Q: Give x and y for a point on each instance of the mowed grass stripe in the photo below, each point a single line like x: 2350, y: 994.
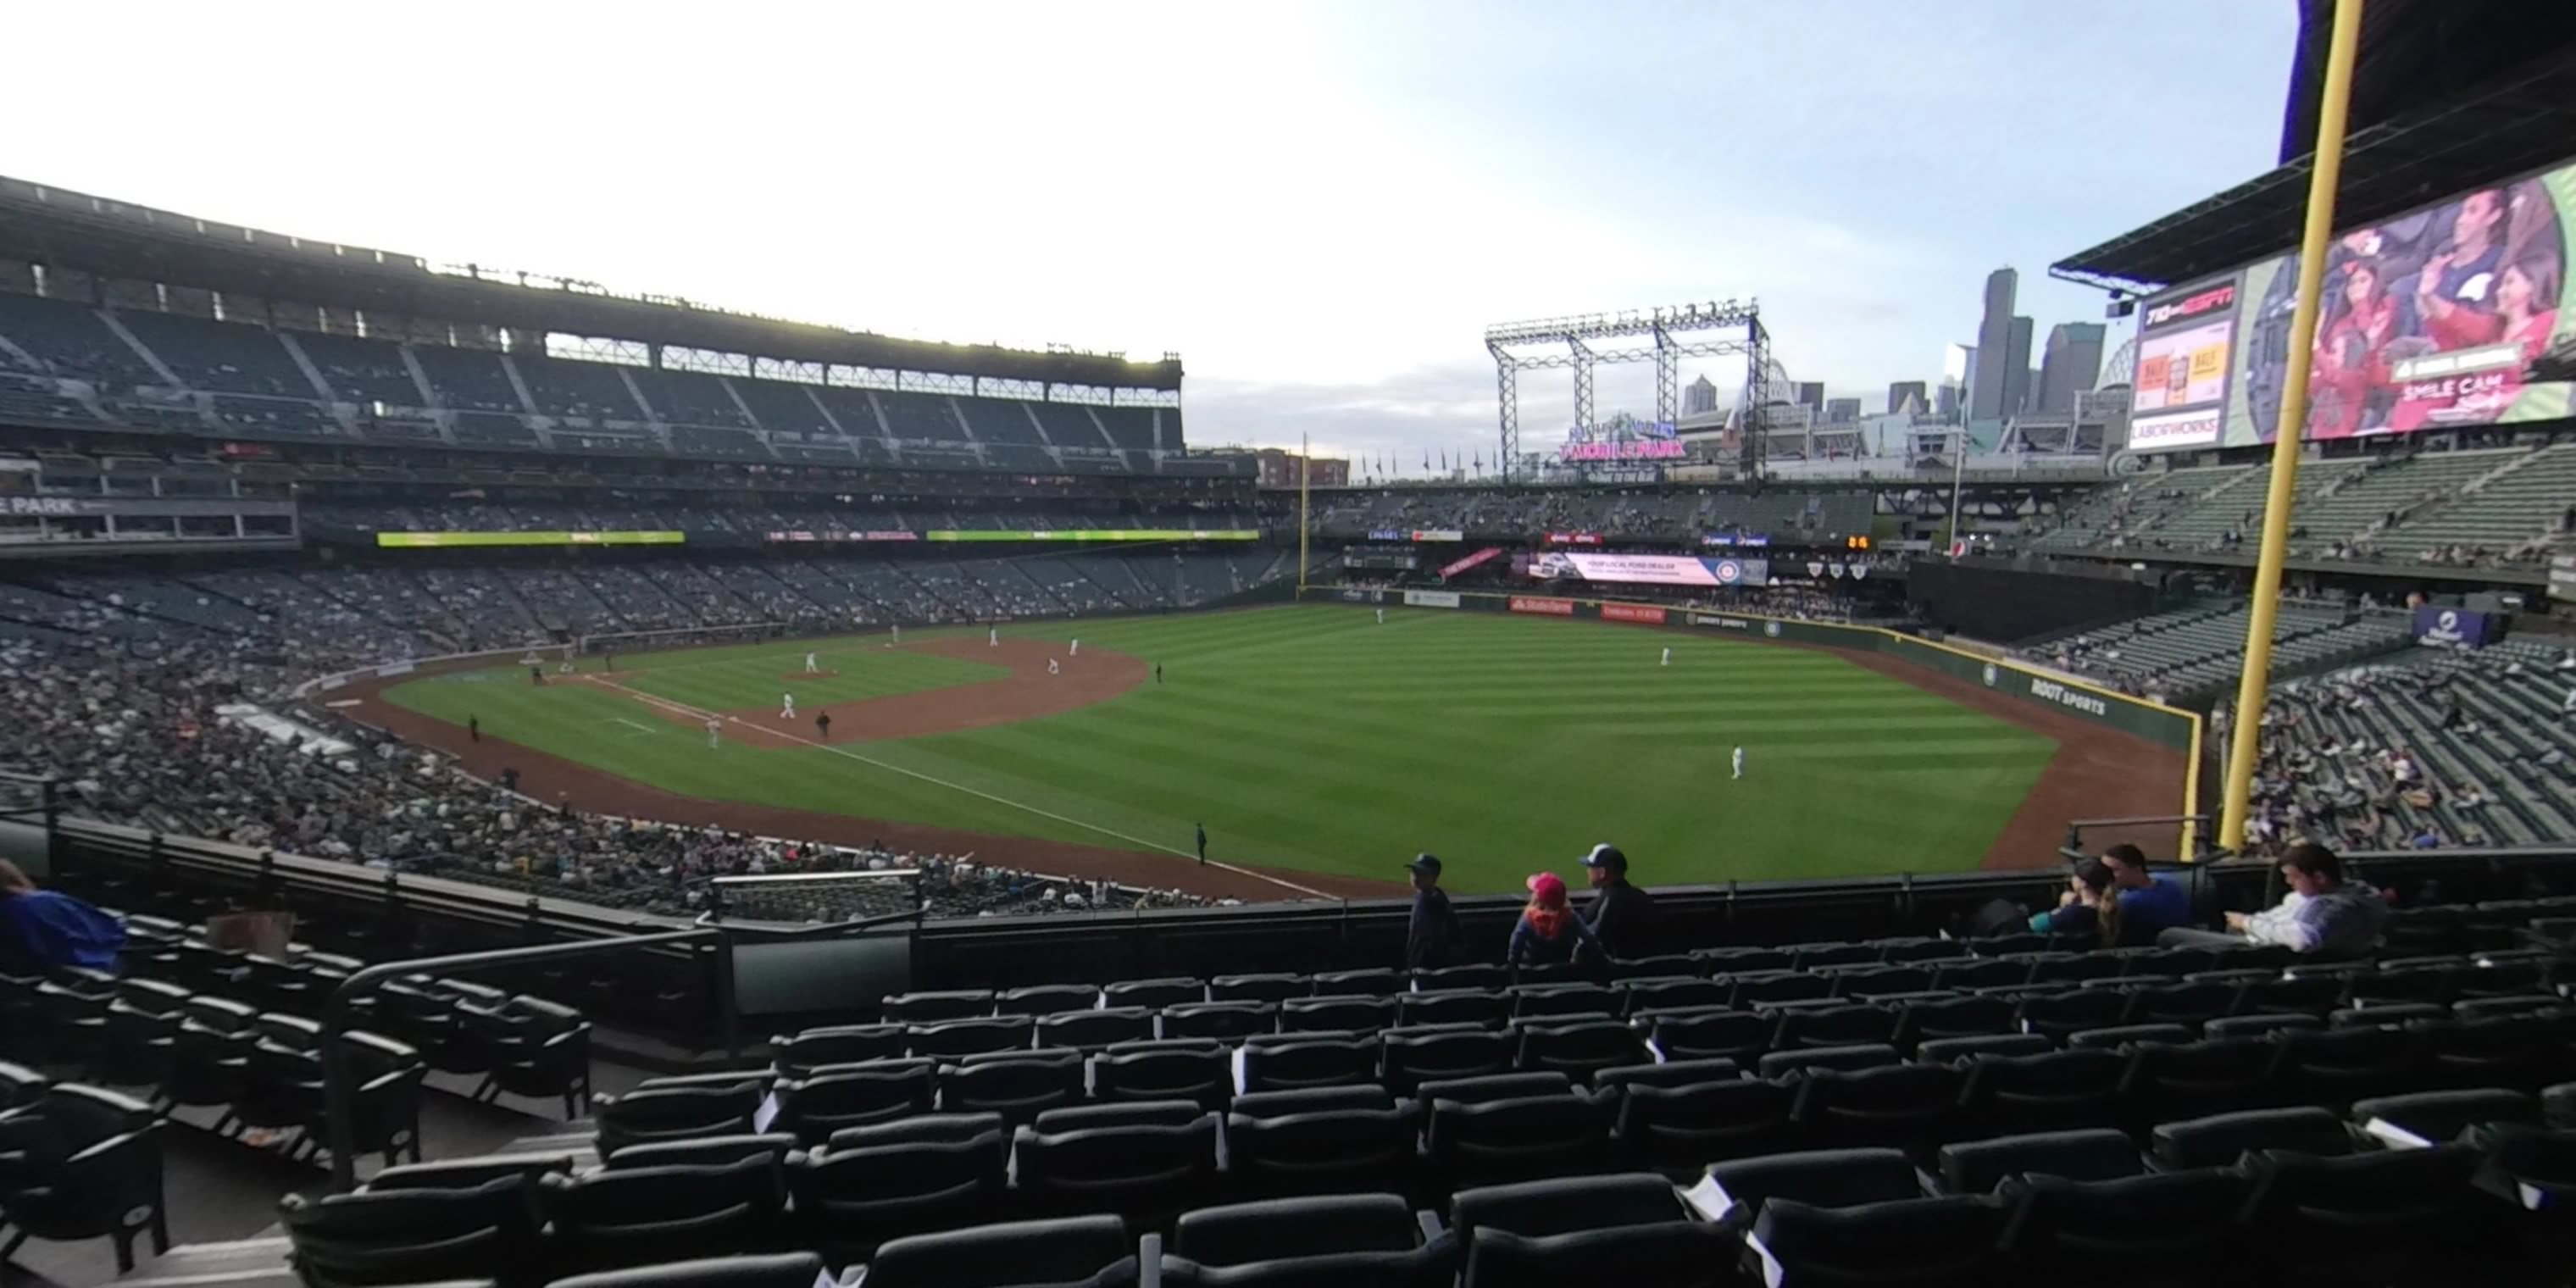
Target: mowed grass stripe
x: 1314, y: 738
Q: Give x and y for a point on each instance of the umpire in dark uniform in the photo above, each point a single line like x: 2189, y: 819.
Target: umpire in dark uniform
x: 1622, y: 916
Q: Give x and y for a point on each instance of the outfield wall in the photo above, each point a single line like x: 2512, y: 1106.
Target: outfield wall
x: 2165, y: 725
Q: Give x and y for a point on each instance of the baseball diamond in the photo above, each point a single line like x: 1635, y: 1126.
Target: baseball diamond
x: 1308, y: 739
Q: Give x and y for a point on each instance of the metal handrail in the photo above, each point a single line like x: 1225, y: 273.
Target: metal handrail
x: 340, y: 1118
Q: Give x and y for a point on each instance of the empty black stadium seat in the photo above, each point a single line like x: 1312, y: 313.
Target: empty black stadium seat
x: 1958, y: 1017
x: 2400, y: 1215
x: 2221, y: 1139
x: 954, y: 1038
x: 1954, y: 1050
x: 1221, y: 1020
x: 1308, y: 1100
x: 1046, y: 999
x: 1666, y: 993
x: 2046, y: 1091
x: 410, y: 1236
x: 1741, y: 1036
x: 1823, y: 1177
x: 2440, y: 1116
x: 843, y: 1096
x: 637, y: 1216
x: 1927, y: 1242
x: 1674, y: 1073
x: 2152, y: 1228
x: 2197, y: 1079
x: 83, y: 1163
x: 1685, y: 1127
x: 1816, y: 956
x: 1833, y: 1026
x: 1144, y: 1172
x: 1575, y: 1001
x: 476, y: 1170
x: 2338, y: 1066
x: 848, y: 1044
x: 1491, y: 979
x: 1341, y: 1239
x: 1289, y: 1061
x: 1132, y: 1113
x: 1411, y: 1059
x: 1738, y: 961
x: 2084, y: 1154
x: 931, y: 1008
x: 1860, y: 983
x: 1071, y: 1251
x: 1345, y: 1014
x: 1747, y: 991
x: 1578, y: 1048
x: 2259, y: 1025
x: 1911, y: 1105
x: 1017, y: 1089
x: 1204, y: 1077
x: 1499, y: 1141
x: 1500, y: 1086
x: 2122, y: 1037
x: 1096, y: 1029
x: 1155, y: 994
x: 1629, y: 1230
x: 1479, y: 1007
x: 675, y: 1113
x: 1259, y: 988
x: 871, y: 1184
x: 1322, y: 1150
x: 1867, y: 1056
x: 2059, y: 1015
x: 704, y: 1151
x: 1373, y: 982
x: 771, y: 1270
x: 1980, y: 972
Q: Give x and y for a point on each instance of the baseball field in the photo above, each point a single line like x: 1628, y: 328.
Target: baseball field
x: 1306, y: 740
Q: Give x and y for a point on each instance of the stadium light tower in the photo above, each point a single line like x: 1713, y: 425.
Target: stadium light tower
x: 1671, y: 334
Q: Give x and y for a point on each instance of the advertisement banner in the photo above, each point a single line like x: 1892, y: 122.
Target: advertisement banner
x: 1438, y: 534
x: 1632, y: 613
x: 2452, y: 627
x: 422, y: 540
x: 1431, y: 599
x: 1355, y: 596
x: 1385, y: 534
x: 1721, y: 623
x: 1659, y: 570
x: 1452, y: 570
x: 1401, y: 559
x: 1543, y: 607
x: 843, y: 536
x: 1574, y: 538
x: 2427, y: 321
x: 1731, y: 539
x: 1098, y: 534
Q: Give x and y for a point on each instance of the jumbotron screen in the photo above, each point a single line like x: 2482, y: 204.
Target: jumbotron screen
x: 1656, y: 570
x: 2426, y: 321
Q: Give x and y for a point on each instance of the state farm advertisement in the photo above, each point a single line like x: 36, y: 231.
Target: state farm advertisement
x: 1657, y: 570
x: 1543, y: 607
x: 1632, y: 613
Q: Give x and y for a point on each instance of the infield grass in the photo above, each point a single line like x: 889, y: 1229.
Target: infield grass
x: 1313, y: 738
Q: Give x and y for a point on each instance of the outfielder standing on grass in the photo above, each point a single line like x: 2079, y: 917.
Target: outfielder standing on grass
x: 810, y: 667
x: 715, y: 733
x: 1739, y: 762
x: 1202, y: 844
x: 1668, y: 657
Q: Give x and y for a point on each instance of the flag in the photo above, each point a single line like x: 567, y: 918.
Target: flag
x: 1426, y: 458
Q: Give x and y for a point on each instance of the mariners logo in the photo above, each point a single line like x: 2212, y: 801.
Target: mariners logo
x: 1771, y: 629
x: 1990, y: 675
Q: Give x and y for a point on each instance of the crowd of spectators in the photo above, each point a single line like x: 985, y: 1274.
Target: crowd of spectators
x: 169, y: 704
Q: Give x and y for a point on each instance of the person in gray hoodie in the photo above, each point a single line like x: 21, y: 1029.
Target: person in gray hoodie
x: 2325, y: 912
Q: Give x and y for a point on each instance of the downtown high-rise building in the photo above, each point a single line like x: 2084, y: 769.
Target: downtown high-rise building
x: 2017, y: 373
x: 1908, y: 396
x: 2070, y: 365
x: 1810, y: 395
x: 1699, y: 397
x: 1988, y: 384
x: 1842, y: 411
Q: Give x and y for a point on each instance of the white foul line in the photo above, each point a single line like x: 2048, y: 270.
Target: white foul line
x: 701, y: 713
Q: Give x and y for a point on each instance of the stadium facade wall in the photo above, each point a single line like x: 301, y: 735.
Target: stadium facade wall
x: 2007, y: 603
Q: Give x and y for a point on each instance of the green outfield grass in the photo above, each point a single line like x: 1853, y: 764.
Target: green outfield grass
x: 1314, y: 738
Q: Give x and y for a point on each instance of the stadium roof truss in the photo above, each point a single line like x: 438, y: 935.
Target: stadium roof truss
x: 1671, y: 334
x: 2520, y: 120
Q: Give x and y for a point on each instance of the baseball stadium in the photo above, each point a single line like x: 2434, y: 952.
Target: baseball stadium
x: 517, y: 783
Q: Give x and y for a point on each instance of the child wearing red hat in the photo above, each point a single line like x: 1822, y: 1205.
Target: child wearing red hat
x: 1548, y: 932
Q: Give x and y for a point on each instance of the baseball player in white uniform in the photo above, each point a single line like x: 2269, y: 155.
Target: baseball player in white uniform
x: 1051, y: 666
x: 898, y: 637
x: 1381, y: 617
x: 993, y: 637
x: 810, y: 665
x: 1668, y: 657
x: 715, y: 733
x: 1075, y: 650
x: 1739, y: 762
x: 787, y: 706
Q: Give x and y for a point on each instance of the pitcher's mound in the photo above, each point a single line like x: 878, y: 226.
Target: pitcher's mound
x: 801, y: 674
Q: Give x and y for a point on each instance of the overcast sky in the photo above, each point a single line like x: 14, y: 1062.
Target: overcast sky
x: 1320, y: 207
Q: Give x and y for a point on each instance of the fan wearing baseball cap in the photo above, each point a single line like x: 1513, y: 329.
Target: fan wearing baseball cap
x: 1433, y: 932
x: 1549, y: 932
x: 1622, y: 916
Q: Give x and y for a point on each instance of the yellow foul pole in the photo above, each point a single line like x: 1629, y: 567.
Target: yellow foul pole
x: 1305, y: 470
x: 2246, y: 736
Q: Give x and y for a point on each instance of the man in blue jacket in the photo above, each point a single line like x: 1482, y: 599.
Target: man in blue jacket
x: 2151, y: 903
x: 42, y: 931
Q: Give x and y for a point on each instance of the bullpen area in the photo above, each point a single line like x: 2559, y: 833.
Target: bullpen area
x: 1318, y: 746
